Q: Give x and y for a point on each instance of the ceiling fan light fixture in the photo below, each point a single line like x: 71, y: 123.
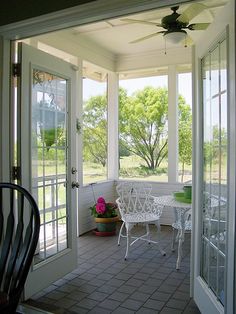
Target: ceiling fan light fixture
x: 175, y: 37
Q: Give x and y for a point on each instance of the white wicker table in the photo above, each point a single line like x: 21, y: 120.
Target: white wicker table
x: 182, y: 223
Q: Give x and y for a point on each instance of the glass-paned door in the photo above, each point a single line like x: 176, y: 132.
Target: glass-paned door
x: 215, y: 189
x: 49, y: 160
x: 47, y: 155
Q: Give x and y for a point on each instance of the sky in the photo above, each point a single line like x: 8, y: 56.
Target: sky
x: 93, y: 88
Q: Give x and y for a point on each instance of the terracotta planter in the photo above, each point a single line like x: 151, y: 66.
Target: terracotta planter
x: 106, y: 226
x: 104, y: 234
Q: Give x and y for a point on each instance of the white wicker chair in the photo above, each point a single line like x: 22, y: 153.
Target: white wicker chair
x: 137, y: 205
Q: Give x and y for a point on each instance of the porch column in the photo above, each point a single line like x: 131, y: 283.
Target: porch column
x: 172, y: 124
x: 112, y: 126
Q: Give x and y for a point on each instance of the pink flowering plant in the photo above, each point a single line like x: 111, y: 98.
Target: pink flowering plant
x: 103, y: 210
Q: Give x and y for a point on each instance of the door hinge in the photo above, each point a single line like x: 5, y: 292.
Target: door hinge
x: 16, y: 69
x: 16, y: 173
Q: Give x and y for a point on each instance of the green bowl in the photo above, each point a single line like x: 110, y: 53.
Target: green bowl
x: 180, y: 197
x: 178, y: 194
x: 183, y: 200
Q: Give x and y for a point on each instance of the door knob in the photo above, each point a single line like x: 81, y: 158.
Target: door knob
x: 75, y: 185
x: 73, y: 170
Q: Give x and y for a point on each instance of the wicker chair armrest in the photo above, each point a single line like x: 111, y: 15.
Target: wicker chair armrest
x: 121, y: 206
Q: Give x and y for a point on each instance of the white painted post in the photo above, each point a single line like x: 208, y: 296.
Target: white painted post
x: 112, y: 126
x: 172, y: 124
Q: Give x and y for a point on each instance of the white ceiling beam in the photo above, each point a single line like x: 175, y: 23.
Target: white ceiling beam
x: 153, y: 59
x: 80, y: 48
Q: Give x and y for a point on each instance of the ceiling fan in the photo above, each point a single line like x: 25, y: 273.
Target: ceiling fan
x: 175, y: 24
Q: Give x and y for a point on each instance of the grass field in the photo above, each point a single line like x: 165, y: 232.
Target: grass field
x: 131, y: 167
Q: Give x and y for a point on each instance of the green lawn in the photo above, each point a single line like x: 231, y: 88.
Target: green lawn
x: 93, y: 172
x: 131, y: 167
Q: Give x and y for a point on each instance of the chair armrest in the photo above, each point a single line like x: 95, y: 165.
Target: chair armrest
x: 121, y: 206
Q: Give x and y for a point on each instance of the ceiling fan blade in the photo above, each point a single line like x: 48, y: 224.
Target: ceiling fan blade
x: 198, y: 26
x: 146, y: 37
x: 192, y: 11
x: 141, y: 21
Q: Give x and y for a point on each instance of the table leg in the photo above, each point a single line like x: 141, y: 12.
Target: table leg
x: 181, y: 233
x: 181, y: 240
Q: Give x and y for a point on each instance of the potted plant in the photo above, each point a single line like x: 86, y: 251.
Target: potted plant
x: 105, y: 217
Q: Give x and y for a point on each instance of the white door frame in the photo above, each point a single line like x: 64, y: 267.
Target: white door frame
x: 226, y: 22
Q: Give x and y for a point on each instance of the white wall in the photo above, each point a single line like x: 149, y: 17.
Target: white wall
x: 108, y: 191
x: 86, y: 199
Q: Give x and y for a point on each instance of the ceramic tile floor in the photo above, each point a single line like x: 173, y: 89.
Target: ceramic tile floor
x: 105, y: 283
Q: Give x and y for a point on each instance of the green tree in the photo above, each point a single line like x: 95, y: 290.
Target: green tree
x: 95, y: 129
x: 123, y: 99
x: 185, y: 134
x: 143, y: 125
x: 215, y: 146
x: 219, y: 143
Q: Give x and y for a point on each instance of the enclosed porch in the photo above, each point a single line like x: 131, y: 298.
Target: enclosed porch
x: 104, y: 283
x: 64, y: 142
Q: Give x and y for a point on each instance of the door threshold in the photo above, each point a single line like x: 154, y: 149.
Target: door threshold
x: 28, y: 309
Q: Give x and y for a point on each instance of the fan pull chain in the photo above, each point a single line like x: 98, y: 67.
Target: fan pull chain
x: 185, y: 41
x: 165, y: 45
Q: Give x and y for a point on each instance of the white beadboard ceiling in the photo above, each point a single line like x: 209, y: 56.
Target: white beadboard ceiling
x: 107, y: 44
x: 114, y: 35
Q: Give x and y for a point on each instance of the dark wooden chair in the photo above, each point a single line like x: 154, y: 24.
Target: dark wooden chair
x: 19, y: 233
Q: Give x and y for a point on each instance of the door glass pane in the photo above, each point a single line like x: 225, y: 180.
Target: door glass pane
x: 214, y: 71
x: 49, y: 160
x: 214, y: 209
